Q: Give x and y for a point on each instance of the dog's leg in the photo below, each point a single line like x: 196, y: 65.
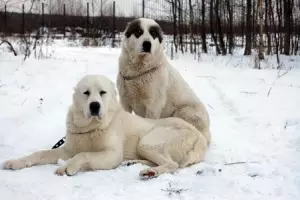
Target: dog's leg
x: 37, y: 158
x: 199, y: 119
x: 197, y: 154
x: 165, y: 165
x: 108, y: 159
x: 154, y: 108
x: 133, y: 162
x: 156, y: 151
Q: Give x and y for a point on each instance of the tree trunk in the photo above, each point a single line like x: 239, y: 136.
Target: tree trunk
x: 254, y: 24
x: 296, y: 29
x: 174, y: 12
x: 243, y: 22
x: 287, y: 25
x: 212, y: 28
x: 248, y: 29
x: 180, y: 24
x: 203, y: 34
x: 279, y: 15
x: 267, y: 27
x: 275, y: 33
x: 261, y: 41
x: 192, y: 39
x: 293, y: 35
x: 221, y: 36
x: 230, y: 32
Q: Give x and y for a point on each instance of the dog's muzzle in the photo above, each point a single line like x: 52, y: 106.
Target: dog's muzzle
x: 94, y: 108
x: 146, y: 47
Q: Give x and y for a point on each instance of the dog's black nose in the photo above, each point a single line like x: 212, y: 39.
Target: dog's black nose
x: 146, y: 46
x: 94, y: 108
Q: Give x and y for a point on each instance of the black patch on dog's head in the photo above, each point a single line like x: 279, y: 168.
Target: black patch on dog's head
x: 156, y: 32
x: 134, y: 27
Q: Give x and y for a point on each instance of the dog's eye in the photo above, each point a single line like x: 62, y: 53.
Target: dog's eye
x: 87, y: 93
x: 138, y: 33
x: 102, y: 93
x: 153, y: 33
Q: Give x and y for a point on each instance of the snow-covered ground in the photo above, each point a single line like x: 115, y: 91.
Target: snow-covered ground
x: 262, y: 131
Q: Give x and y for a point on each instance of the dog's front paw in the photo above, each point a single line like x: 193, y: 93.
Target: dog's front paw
x: 68, y: 169
x: 148, y: 174
x: 61, y: 171
x: 15, y: 164
x: 72, y: 170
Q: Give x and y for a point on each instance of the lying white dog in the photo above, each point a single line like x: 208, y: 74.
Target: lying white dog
x: 149, y: 85
x: 101, y: 135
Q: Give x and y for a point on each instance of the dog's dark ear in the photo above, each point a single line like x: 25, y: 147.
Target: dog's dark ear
x: 156, y: 32
x: 160, y: 34
x: 133, y: 27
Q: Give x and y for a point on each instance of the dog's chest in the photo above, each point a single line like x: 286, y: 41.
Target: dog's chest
x: 91, y: 142
x: 137, y: 90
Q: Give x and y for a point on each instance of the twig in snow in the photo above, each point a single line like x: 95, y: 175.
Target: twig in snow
x: 235, y: 163
x: 278, y: 77
x: 210, y: 106
x: 248, y: 92
x: 10, y: 46
x: 240, y: 162
x: 24, y: 102
x: 206, y: 77
x: 171, y: 190
x: 285, y: 124
x: 2, y: 85
x: 253, y: 175
x: 261, y: 80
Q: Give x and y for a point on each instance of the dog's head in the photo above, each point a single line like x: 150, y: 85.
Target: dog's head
x: 93, y: 96
x: 143, y: 37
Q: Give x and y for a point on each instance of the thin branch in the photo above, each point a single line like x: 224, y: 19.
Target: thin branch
x: 206, y: 77
x: 235, y: 163
x: 239, y: 162
x: 171, y: 190
x: 10, y: 46
x: 278, y: 77
x: 246, y: 92
x: 286, y: 123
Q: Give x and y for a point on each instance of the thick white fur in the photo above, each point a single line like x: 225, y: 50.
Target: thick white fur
x: 103, y: 142
x: 152, y: 88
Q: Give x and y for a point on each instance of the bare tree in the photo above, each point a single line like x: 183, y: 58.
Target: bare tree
x: 192, y: 39
x: 230, y: 32
x: 174, y: 13
x: 212, y: 27
x: 248, y: 29
x: 243, y: 21
x: 219, y: 26
x: 276, y: 32
x: 288, y: 12
x: 267, y: 21
x: 261, y: 42
x: 180, y: 24
x: 279, y: 16
x: 203, y: 34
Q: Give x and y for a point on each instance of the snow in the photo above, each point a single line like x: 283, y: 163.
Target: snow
x: 262, y: 132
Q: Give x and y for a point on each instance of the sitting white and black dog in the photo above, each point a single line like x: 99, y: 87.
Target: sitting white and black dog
x: 149, y: 86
